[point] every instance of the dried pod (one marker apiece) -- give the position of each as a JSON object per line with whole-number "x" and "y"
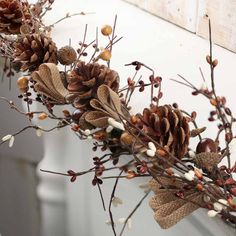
{"x": 207, "y": 145}
{"x": 215, "y": 63}
{"x": 66, "y": 55}
{"x": 106, "y": 30}
{"x": 23, "y": 82}
{"x": 208, "y": 59}
{"x": 42, "y": 116}
{"x": 126, "y": 139}
{"x": 105, "y": 55}
{"x": 196, "y": 132}
{"x": 213, "y": 102}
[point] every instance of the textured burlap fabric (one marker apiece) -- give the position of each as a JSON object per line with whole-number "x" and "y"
{"x": 170, "y": 209}
{"x": 49, "y": 83}
{"x": 106, "y": 105}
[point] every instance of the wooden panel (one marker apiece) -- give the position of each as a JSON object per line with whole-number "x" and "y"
{"x": 223, "y": 20}
{"x": 180, "y": 12}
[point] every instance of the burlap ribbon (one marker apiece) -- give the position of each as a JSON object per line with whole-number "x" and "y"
{"x": 49, "y": 83}
{"x": 106, "y": 105}
{"x": 170, "y": 209}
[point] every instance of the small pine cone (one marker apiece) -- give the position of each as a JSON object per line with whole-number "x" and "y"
{"x": 168, "y": 127}
{"x": 66, "y": 55}
{"x": 12, "y": 12}
{"x": 33, "y": 50}
{"x": 85, "y": 80}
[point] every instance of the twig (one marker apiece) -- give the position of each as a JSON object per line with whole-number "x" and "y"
{"x": 133, "y": 211}
{"x": 69, "y": 16}
{"x": 110, "y": 204}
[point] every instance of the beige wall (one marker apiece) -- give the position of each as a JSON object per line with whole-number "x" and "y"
{"x": 193, "y": 15}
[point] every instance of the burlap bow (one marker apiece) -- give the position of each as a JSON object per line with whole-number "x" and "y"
{"x": 49, "y": 83}
{"x": 106, "y": 105}
{"x": 170, "y": 209}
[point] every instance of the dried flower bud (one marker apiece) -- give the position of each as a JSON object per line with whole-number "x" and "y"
{"x": 215, "y": 63}
{"x": 212, "y": 213}
{"x": 194, "y": 115}
{"x": 105, "y": 55}
{"x": 198, "y": 174}
{"x": 228, "y": 111}
{"x": 130, "y": 174}
{"x": 134, "y": 119}
{"x": 106, "y": 30}
{"x": 161, "y": 152}
{"x": 39, "y": 132}
{"x": 228, "y": 137}
{"x": 152, "y": 146}
{"x": 126, "y": 139}
{"x": 100, "y": 135}
{"x": 208, "y": 59}
{"x": 196, "y": 132}
{"x": 200, "y": 187}
{"x": 66, "y": 113}
{"x": 23, "y": 82}
{"x": 42, "y": 116}
{"x": 213, "y": 102}
{"x": 150, "y": 153}
{"x": 189, "y": 175}
{"x": 169, "y": 171}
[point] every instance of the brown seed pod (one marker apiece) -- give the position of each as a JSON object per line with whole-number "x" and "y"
{"x": 106, "y": 30}
{"x": 105, "y": 55}
{"x": 215, "y": 63}
{"x": 208, "y": 59}
{"x": 23, "y": 82}
{"x": 66, "y": 55}
{"x": 126, "y": 139}
{"x": 42, "y": 116}
{"x": 207, "y": 145}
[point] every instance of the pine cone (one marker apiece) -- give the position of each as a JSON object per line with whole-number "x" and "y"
{"x": 12, "y": 13}
{"x": 85, "y": 80}
{"x": 168, "y": 127}
{"x": 33, "y": 50}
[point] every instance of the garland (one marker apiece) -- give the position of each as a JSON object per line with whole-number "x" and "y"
{"x": 157, "y": 139}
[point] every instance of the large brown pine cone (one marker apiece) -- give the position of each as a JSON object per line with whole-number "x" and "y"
{"x": 85, "y": 80}
{"x": 33, "y": 50}
{"x": 12, "y": 13}
{"x": 168, "y": 127}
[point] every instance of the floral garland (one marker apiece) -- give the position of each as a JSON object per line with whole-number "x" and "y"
{"x": 157, "y": 139}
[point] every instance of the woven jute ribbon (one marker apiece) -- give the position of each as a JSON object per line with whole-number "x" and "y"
{"x": 106, "y": 105}
{"x": 170, "y": 209}
{"x": 49, "y": 83}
